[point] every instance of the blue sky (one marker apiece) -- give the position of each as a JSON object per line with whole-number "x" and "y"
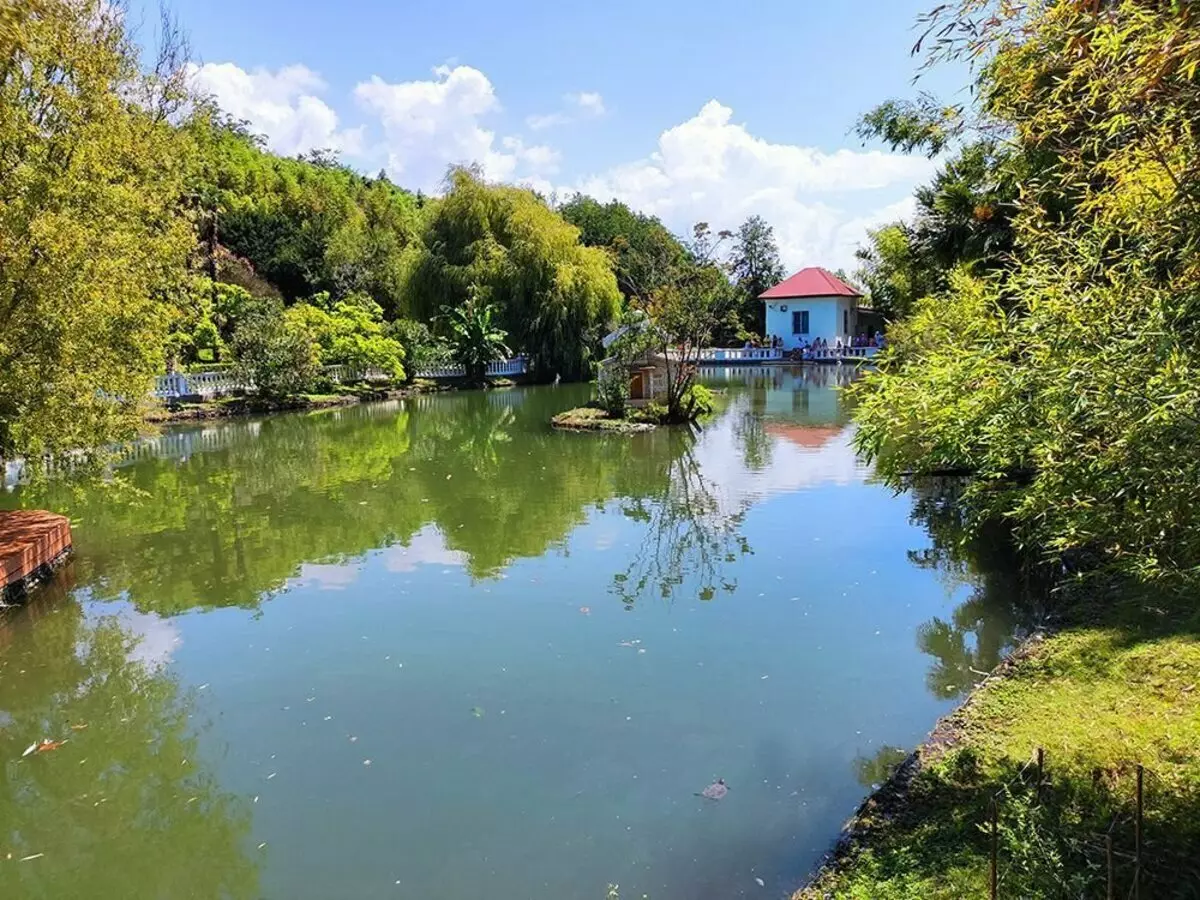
{"x": 690, "y": 111}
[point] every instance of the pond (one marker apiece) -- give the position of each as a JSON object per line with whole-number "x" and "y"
{"x": 431, "y": 648}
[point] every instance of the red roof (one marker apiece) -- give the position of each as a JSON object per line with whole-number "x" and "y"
{"x": 814, "y": 282}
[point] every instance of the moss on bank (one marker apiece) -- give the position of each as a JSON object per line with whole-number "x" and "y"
{"x": 588, "y": 418}
{"x": 1118, "y": 687}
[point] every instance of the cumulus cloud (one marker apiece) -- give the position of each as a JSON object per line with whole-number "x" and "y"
{"x": 429, "y": 125}
{"x": 582, "y": 105}
{"x": 282, "y": 105}
{"x": 712, "y": 169}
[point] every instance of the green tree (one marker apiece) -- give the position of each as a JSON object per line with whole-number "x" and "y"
{"x": 273, "y": 352}
{"x": 630, "y": 237}
{"x": 554, "y": 297}
{"x": 756, "y": 267}
{"x": 348, "y": 332}
{"x": 92, "y": 236}
{"x": 1066, "y": 381}
{"x": 476, "y": 340}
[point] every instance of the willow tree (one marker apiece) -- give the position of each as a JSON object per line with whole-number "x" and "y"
{"x": 1068, "y": 384}
{"x": 554, "y": 297}
{"x": 91, "y": 235}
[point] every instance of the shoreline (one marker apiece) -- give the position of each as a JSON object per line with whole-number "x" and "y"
{"x": 228, "y": 407}
{"x": 892, "y": 799}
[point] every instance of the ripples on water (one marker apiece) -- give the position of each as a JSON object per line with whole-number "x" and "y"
{"x": 434, "y": 649}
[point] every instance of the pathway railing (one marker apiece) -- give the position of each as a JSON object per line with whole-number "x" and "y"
{"x": 503, "y": 368}
{"x": 214, "y": 384}
{"x": 740, "y": 355}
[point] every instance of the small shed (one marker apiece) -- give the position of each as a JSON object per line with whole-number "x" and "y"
{"x": 647, "y": 377}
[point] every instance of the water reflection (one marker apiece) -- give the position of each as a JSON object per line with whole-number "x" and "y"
{"x": 1006, "y": 591}
{"x": 125, "y": 808}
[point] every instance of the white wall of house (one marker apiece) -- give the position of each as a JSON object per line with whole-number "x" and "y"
{"x": 829, "y": 318}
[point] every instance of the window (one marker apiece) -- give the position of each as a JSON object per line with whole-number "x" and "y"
{"x": 845, "y": 321}
{"x": 800, "y": 321}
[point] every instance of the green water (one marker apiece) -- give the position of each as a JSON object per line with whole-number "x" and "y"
{"x": 432, "y": 649}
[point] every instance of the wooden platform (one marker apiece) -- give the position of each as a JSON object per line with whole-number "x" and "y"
{"x": 31, "y": 543}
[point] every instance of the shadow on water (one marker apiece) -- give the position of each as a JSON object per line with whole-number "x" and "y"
{"x": 124, "y": 808}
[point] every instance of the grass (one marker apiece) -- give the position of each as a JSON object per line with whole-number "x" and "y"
{"x": 589, "y": 418}
{"x": 1118, "y": 687}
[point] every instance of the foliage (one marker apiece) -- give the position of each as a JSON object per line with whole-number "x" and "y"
{"x": 1067, "y": 384}
{"x": 633, "y": 239}
{"x": 476, "y": 340}
{"x": 554, "y": 297}
{"x": 756, "y": 267}
{"x": 348, "y": 332}
{"x": 693, "y": 302}
{"x": 612, "y": 389}
{"x": 273, "y": 352}
{"x": 306, "y": 225}
{"x": 964, "y": 217}
{"x": 91, "y": 237}
{"x": 422, "y": 348}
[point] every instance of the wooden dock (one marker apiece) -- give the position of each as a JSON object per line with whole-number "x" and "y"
{"x": 32, "y": 543}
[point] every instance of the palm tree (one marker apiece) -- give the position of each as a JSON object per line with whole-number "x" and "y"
{"x": 475, "y": 339}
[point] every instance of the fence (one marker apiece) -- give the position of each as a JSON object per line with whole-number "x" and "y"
{"x": 503, "y": 368}
{"x": 739, "y": 356}
{"x": 214, "y": 384}
{"x": 1141, "y": 861}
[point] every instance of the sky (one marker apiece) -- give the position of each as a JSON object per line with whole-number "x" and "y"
{"x": 690, "y": 111}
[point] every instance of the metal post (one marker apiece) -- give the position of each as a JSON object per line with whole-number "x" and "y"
{"x": 1137, "y": 853}
{"x": 1108, "y": 853}
{"x": 1041, "y": 769}
{"x": 995, "y": 880}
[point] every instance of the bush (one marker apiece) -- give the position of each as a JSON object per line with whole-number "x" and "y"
{"x": 697, "y": 401}
{"x": 422, "y": 348}
{"x": 612, "y": 390}
{"x": 273, "y": 353}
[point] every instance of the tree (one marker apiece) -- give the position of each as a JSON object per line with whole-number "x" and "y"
{"x": 93, "y": 239}
{"x": 756, "y": 267}
{"x": 629, "y": 237}
{"x": 476, "y": 340}
{"x": 348, "y": 332}
{"x": 554, "y": 297}
{"x": 274, "y": 353}
{"x": 688, "y": 303}
{"x": 1065, "y": 380}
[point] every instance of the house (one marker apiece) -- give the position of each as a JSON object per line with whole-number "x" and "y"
{"x": 814, "y": 304}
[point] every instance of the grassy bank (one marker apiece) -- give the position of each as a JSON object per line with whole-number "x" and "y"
{"x": 344, "y": 395}
{"x": 1117, "y": 686}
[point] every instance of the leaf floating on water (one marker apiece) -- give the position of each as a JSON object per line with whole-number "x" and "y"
{"x": 760, "y": 882}
{"x": 263, "y": 844}
{"x": 32, "y": 747}
{"x": 586, "y": 610}
{"x": 477, "y": 712}
{"x": 33, "y": 856}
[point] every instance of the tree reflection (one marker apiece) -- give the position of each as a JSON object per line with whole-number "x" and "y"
{"x": 1006, "y": 590}
{"x": 125, "y": 808}
{"x": 233, "y": 519}
{"x": 690, "y": 540}
{"x": 872, "y": 771}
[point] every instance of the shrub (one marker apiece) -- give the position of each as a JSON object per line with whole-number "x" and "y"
{"x": 273, "y": 353}
{"x": 612, "y": 390}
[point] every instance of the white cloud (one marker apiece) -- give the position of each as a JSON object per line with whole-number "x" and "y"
{"x": 282, "y": 105}
{"x": 585, "y": 104}
{"x": 713, "y": 170}
{"x": 588, "y": 102}
{"x": 429, "y": 125}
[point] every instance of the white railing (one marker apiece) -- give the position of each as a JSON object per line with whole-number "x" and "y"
{"x": 215, "y": 384}
{"x": 518, "y": 365}
{"x": 740, "y": 355}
